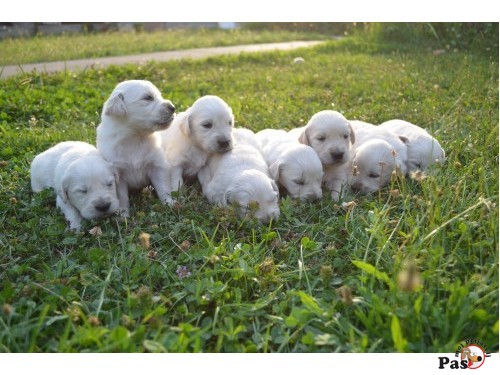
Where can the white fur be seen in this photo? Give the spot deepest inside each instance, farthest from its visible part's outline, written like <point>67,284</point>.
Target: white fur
<point>377,153</point>
<point>204,129</point>
<point>423,149</point>
<point>366,132</point>
<point>127,138</point>
<point>84,182</point>
<point>294,166</point>
<point>331,136</point>
<point>241,177</point>
<point>373,164</point>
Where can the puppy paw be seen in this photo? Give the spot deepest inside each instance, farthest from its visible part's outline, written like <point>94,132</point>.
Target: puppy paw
<point>123,212</point>
<point>335,195</point>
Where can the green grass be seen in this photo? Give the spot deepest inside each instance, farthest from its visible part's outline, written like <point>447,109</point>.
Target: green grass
<point>277,288</point>
<point>78,46</point>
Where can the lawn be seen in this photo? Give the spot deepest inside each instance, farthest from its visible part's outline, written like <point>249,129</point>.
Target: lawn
<point>325,277</point>
<point>78,46</point>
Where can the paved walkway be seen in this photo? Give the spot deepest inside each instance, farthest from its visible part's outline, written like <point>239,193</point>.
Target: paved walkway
<point>197,53</point>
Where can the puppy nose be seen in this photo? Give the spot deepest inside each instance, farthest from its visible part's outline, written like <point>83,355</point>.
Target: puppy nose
<point>103,207</point>
<point>356,187</point>
<point>223,144</point>
<point>170,106</point>
<point>336,156</point>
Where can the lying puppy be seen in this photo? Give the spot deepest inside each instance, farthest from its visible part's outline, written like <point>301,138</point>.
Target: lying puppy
<point>127,138</point>
<point>84,182</point>
<point>240,177</point>
<point>204,129</point>
<point>331,136</point>
<point>366,132</point>
<point>377,153</point>
<point>423,149</point>
<point>373,164</point>
<point>294,166</point>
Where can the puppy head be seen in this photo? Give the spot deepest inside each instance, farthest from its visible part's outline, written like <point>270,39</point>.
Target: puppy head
<point>423,152</point>
<point>139,105</point>
<point>254,193</point>
<point>209,125</point>
<point>300,172</point>
<point>330,135</point>
<point>89,184</point>
<point>373,164</point>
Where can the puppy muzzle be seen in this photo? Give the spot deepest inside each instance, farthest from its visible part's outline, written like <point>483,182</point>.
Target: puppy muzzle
<point>224,145</point>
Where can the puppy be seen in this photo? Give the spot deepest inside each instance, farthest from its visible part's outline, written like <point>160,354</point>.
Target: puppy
<point>294,166</point>
<point>240,177</point>
<point>84,182</point>
<point>127,138</point>
<point>331,136</point>
<point>204,129</point>
<point>373,164</point>
<point>423,149</point>
<point>365,132</point>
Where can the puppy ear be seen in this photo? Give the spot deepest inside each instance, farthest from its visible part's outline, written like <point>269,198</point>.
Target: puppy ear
<point>274,170</point>
<point>304,138</point>
<point>185,124</point>
<point>401,168</point>
<point>62,190</point>
<point>405,140</point>
<point>115,106</point>
<point>351,134</point>
<point>275,187</point>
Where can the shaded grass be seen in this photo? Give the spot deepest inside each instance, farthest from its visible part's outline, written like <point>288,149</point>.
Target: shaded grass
<point>78,46</point>
<point>262,288</point>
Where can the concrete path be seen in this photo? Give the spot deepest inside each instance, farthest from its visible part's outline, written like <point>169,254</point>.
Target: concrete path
<point>197,53</point>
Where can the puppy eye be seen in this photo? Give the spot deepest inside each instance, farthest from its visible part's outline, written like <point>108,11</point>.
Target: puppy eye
<point>374,175</point>
<point>321,139</point>
<point>346,136</point>
<point>148,98</point>
<point>82,191</point>
<point>207,125</point>
<point>109,184</point>
<point>230,122</point>
<point>299,182</point>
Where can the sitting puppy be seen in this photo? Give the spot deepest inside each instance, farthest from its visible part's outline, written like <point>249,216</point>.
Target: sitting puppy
<point>84,182</point>
<point>204,129</point>
<point>240,177</point>
<point>373,164</point>
<point>294,166</point>
<point>423,149</point>
<point>331,136</point>
<point>127,138</point>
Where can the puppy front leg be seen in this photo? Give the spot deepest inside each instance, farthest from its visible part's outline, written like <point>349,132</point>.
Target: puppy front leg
<point>70,213</point>
<point>176,178</point>
<point>124,203</point>
<point>160,178</point>
<point>204,177</point>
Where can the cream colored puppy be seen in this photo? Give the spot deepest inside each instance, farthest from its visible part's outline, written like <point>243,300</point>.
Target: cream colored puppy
<point>365,132</point>
<point>294,166</point>
<point>204,129</point>
<point>240,177</point>
<point>127,137</point>
<point>423,149</point>
<point>331,136</point>
<point>377,153</point>
<point>373,164</point>
<point>84,182</point>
